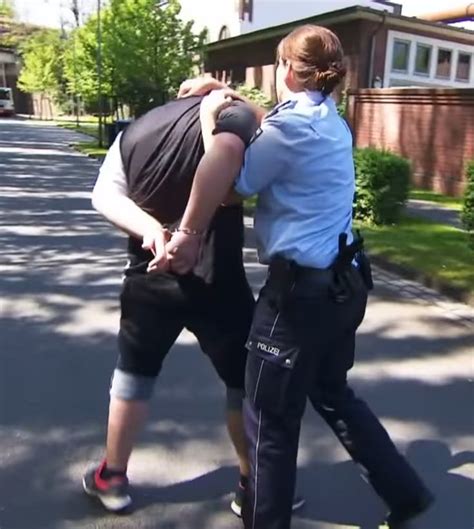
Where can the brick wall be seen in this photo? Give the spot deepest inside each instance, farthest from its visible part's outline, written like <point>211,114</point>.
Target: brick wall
<point>433,128</point>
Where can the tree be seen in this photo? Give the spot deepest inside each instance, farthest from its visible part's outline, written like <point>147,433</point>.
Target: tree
<point>6,9</point>
<point>13,33</point>
<point>147,51</point>
<point>42,64</point>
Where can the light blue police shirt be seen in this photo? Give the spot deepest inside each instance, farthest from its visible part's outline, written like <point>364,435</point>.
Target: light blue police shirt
<point>301,166</point>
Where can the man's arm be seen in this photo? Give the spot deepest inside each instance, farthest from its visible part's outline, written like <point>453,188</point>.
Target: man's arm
<point>110,198</point>
<point>214,178</point>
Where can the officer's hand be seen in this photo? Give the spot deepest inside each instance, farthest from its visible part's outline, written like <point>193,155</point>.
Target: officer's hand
<point>183,252</point>
<point>200,86</point>
<point>155,241</point>
<point>217,101</point>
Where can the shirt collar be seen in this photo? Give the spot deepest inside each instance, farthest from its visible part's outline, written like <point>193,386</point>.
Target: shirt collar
<point>308,97</point>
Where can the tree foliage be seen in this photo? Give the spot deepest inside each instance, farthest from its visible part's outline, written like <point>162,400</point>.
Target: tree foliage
<point>12,32</point>
<point>6,9</point>
<point>147,51</point>
<point>42,63</point>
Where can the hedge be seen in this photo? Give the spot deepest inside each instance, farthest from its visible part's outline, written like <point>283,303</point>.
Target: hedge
<point>382,185</point>
<point>467,214</point>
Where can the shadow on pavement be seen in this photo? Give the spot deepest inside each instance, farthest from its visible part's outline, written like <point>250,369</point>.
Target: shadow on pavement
<point>60,278</point>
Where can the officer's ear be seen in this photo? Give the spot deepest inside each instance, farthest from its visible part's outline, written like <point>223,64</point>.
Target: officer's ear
<point>290,77</point>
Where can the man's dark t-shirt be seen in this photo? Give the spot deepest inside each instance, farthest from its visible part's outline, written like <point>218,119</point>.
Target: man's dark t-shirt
<point>160,153</point>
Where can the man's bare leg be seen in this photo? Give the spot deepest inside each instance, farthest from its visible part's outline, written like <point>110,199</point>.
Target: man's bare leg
<point>129,403</point>
<point>126,420</point>
<point>235,426</point>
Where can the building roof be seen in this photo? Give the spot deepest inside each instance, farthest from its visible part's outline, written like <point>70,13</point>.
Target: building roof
<point>346,15</point>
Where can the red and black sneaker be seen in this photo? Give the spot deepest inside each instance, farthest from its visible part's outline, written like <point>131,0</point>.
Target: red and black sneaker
<point>112,491</point>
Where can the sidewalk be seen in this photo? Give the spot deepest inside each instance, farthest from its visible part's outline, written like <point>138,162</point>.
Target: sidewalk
<point>434,212</point>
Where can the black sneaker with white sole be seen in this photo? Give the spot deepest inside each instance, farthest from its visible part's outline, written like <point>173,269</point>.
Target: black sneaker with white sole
<point>111,492</point>
<point>237,502</point>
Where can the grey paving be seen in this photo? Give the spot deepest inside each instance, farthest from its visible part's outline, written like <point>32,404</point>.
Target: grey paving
<point>60,268</point>
<point>434,212</point>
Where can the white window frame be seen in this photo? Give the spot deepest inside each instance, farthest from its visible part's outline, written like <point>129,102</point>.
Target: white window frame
<point>431,79</point>
<point>430,60</point>
<point>450,76</point>
<point>471,64</point>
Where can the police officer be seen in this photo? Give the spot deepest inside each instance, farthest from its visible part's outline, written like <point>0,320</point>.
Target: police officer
<point>302,339</point>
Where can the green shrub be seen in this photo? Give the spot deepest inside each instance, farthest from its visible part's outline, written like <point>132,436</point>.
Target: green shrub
<point>255,95</point>
<point>467,215</point>
<point>382,185</point>
<point>342,106</point>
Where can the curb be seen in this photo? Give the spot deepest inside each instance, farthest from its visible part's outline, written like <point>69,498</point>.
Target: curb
<point>456,293</point>
<point>99,158</point>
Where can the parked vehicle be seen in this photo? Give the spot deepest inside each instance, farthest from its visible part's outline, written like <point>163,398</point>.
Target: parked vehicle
<point>7,107</point>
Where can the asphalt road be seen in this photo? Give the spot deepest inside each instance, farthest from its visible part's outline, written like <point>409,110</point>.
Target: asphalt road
<point>60,269</point>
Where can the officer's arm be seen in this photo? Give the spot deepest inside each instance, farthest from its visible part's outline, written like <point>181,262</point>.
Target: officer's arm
<point>214,179</point>
<point>110,198</point>
<point>265,159</point>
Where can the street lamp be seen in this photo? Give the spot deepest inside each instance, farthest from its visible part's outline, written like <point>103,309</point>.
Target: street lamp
<point>99,68</point>
<point>75,12</point>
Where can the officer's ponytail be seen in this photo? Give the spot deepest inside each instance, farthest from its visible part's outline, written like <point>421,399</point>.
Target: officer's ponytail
<point>316,57</point>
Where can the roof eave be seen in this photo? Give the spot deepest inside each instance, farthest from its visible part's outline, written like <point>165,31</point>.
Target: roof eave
<point>343,15</point>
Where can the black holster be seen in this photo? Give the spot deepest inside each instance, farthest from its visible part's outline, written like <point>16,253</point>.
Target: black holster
<point>281,279</point>
<point>344,280</point>
<point>343,285</point>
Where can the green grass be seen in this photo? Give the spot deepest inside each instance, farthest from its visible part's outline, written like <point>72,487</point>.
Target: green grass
<point>91,148</point>
<point>91,129</point>
<point>437,251</point>
<point>431,196</point>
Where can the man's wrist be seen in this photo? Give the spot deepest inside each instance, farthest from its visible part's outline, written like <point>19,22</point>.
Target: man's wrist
<point>190,231</point>
<point>153,230</point>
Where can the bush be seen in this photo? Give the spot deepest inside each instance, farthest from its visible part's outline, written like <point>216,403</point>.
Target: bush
<point>255,95</point>
<point>467,215</point>
<point>342,106</point>
<point>382,185</point>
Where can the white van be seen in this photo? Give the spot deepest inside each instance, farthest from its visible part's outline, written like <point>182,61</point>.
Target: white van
<point>7,108</point>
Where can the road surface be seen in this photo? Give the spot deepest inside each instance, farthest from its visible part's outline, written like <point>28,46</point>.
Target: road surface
<point>60,269</point>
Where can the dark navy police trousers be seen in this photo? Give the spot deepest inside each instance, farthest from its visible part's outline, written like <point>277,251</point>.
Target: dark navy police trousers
<point>303,348</point>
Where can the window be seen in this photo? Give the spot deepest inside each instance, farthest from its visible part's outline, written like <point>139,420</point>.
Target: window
<point>443,67</point>
<point>401,53</point>
<point>463,71</point>
<point>246,8</point>
<point>224,33</point>
<point>207,35</point>
<point>423,59</point>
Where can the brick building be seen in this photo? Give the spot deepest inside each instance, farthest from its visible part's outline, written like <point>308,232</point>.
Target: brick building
<point>423,107</point>
<point>382,49</point>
